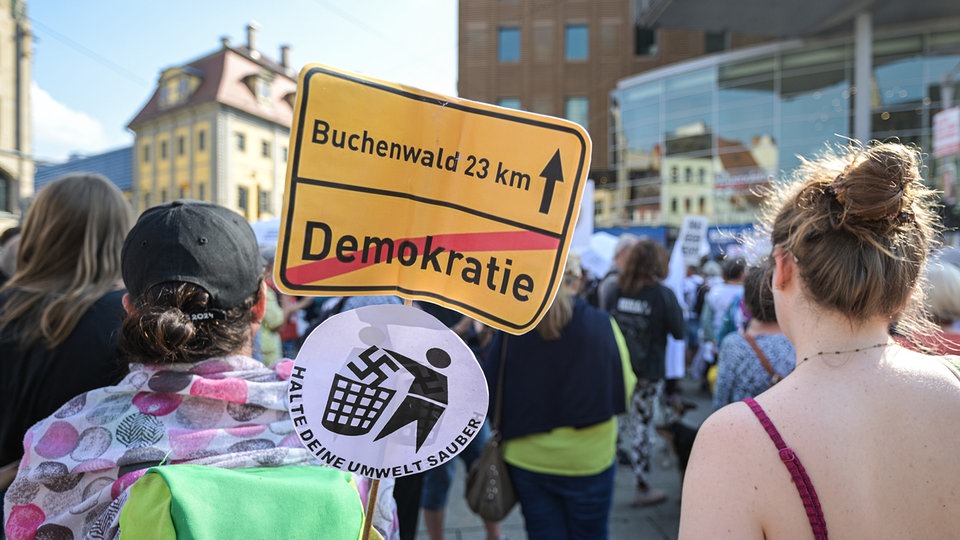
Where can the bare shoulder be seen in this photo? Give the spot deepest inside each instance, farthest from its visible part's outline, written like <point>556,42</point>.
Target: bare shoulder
<point>727,427</point>
<point>722,481</point>
<point>937,374</point>
<point>728,440</point>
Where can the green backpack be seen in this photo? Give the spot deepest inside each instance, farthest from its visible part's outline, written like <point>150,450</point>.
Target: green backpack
<point>211,503</point>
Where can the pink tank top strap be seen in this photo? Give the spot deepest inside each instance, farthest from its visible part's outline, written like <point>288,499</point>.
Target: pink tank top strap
<point>811,503</point>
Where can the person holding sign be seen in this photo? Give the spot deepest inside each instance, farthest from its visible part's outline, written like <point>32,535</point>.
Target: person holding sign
<point>564,385</point>
<point>194,394</point>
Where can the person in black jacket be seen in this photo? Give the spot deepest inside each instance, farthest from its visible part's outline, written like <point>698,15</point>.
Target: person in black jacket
<point>60,312</point>
<point>647,313</point>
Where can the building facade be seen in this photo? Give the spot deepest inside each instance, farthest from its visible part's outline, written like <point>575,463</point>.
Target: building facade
<point>562,58</point>
<point>16,160</point>
<point>217,129</point>
<point>703,136</point>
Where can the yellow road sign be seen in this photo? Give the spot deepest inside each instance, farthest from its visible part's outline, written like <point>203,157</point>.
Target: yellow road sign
<point>393,190</point>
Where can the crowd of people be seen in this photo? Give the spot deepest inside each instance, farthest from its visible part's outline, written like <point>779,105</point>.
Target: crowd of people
<point>124,345</point>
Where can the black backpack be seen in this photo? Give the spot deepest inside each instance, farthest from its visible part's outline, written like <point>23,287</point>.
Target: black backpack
<point>636,330</point>
<point>702,291</point>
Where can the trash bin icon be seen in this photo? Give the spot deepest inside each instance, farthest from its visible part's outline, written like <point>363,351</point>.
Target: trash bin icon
<point>353,407</point>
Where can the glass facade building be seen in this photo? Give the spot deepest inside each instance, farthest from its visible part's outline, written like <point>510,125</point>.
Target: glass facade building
<point>700,137</point>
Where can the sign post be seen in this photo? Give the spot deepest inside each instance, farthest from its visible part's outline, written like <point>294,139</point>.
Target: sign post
<point>393,190</point>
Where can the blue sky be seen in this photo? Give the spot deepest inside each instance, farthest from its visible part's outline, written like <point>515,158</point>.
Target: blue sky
<point>95,63</point>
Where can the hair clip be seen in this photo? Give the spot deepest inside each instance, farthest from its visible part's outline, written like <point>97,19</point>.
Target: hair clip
<point>837,193</point>
<point>900,218</point>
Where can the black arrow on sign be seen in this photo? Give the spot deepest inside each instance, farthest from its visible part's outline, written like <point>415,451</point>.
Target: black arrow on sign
<point>552,173</point>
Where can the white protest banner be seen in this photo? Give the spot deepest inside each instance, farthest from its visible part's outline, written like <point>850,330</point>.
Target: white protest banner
<point>690,245</point>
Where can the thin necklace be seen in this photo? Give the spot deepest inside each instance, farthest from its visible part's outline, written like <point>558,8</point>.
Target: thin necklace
<point>824,353</point>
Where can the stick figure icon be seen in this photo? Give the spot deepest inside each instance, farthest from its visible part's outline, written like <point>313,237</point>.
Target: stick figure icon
<point>427,397</point>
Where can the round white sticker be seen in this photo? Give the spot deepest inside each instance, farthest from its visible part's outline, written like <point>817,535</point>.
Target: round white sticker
<point>386,391</point>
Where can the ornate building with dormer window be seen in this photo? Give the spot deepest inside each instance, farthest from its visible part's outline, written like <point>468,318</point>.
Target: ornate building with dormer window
<point>16,161</point>
<point>217,129</point>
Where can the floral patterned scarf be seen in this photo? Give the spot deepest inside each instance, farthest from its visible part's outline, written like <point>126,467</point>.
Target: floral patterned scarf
<point>226,412</point>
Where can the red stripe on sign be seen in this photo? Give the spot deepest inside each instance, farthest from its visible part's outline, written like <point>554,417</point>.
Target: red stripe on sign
<point>462,243</point>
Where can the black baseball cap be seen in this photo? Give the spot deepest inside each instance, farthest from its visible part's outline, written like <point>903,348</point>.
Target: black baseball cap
<point>194,242</point>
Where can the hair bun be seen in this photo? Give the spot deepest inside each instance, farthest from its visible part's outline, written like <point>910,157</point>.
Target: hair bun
<point>878,187</point>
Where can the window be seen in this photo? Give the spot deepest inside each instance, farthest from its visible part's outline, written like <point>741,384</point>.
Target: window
<point>508,44</point>
<point>146,200</point>
<point>285,154</point>
<point>146,153</point>
<point>674,174</point>
<point>180,145</point>
<point>577,109</point>
<point>163,149</point>
<point>163,196</point>
<point>687,175</point>
<point>202,191</point>
<point>183,87</point>
<point>263,202</point>
<point>715,42</point>
<point>645,41</point>
<point>201,140</point>
<point>510,103</point>
<point>243,200</point>
<point>265,149</point>
<point>673,205</point>
<point>241,142</point>
<point>702,173</point>
<point>577,42</point>
<point>543,105</point>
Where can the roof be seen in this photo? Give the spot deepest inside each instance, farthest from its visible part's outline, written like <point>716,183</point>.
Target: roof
<point>116,165</point>
<point>734,155</point>
<point>222,79</point>
<point>789,18</point>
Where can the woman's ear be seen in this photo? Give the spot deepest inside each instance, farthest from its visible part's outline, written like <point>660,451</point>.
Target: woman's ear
<point>260,308</point>
<point>127,303</point>
<point>784,268</point>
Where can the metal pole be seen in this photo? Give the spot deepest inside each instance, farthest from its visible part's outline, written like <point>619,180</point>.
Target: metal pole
<point>862,76</point>
<point>946,88</point>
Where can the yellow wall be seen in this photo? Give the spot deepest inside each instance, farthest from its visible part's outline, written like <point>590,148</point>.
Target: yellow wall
<point>251,169</point>
<point>144,158</point>
<point>202,130</point>
<point>192,173</point>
